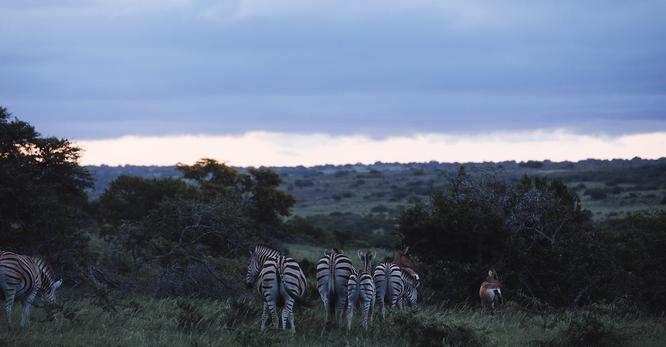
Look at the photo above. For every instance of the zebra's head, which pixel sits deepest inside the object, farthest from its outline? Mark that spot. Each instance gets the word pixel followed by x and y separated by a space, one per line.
pixel 49 294
pixel 49 285
pixel 252 268
pixel 366 259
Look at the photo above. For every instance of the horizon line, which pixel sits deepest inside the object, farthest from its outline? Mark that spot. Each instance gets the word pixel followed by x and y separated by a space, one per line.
pixel 281 149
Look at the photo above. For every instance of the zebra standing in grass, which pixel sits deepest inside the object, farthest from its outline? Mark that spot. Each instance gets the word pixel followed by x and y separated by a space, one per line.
pixel 361 290
pixel 388 284
pixel 410 279
pixel 23 278
pixel 280 282
pixel 333 271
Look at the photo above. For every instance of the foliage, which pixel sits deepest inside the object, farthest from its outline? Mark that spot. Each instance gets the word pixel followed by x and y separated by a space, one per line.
pixel 146 321
pixel 42 193
pixel 130 198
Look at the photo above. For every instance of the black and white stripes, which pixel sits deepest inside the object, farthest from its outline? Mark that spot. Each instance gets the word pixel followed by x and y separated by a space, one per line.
pixel 280 282
pixel 23 278
pixel 333 271
pixel 388 284
pixel 361 290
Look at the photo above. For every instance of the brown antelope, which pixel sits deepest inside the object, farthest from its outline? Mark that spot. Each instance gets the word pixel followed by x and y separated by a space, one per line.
pixel 490 293
pixel 410 278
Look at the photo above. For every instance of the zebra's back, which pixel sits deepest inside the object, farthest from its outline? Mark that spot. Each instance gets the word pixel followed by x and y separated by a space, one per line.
pixel 20 273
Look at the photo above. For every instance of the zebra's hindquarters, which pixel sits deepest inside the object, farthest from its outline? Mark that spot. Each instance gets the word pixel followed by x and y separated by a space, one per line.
pixel 281 283
pixel 333 272
pixel 388 285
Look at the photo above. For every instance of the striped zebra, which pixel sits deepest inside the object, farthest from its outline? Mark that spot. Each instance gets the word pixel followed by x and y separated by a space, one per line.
pixel 23 278
pixel 333 271
pixel 361 290
pixel 490 293
pixel 280 282
pixel 388 284
pixel 410 293
pixel 410 278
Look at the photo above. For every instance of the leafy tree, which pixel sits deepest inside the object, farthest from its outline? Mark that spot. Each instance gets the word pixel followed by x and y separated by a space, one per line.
pixel 130 198
pixel 42 192
pixel 258 188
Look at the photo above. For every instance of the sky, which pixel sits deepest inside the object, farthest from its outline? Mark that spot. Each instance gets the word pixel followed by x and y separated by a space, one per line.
pixel 265 82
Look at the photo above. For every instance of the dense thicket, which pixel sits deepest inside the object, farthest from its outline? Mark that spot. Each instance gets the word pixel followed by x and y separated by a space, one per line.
pixel 538 237
pixel 42 193
pixel 173 236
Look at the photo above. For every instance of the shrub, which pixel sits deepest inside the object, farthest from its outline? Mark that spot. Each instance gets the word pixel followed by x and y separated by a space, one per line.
pixel 423 330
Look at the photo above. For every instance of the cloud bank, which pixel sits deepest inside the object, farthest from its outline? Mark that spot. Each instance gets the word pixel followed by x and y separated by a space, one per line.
pixel 108 68
pixel 259 148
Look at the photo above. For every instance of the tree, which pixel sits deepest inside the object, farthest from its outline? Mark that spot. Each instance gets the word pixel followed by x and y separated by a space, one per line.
pixel 130 198
pixel 42 192
pixel 258 188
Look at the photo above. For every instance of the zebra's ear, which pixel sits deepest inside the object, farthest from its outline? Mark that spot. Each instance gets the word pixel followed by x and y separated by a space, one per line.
pixel 406 250
pixel 360 254
pixel 370 255
pixel 490 273
pixel 57 284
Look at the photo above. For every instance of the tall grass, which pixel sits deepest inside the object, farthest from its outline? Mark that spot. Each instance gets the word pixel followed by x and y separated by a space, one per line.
pixel 175 322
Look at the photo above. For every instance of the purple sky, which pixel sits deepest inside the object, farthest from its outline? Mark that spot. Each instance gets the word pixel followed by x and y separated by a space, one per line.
pixel 104 69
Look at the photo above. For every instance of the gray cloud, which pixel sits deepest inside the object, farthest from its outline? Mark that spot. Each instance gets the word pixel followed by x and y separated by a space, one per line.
pixel 89 69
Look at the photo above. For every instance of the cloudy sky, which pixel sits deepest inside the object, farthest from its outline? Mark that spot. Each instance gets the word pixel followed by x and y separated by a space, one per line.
pixel 315 81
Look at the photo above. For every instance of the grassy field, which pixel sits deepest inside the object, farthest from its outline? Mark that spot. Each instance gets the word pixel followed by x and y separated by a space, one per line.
pixel 171 322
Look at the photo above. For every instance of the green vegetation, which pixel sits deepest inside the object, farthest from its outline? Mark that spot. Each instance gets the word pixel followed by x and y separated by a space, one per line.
pixel 158 259
pixel 176 322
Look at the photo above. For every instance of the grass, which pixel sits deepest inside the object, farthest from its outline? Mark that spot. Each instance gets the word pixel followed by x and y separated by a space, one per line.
pixel 172 322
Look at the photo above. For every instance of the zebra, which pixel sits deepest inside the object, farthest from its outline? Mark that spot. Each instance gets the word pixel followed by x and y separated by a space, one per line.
pixel 490 293
pixel 411 282
pixel 23 278
pixel 333 271
pixel 409 277
pixel 280 282
pixel 389 285
pixel 361 290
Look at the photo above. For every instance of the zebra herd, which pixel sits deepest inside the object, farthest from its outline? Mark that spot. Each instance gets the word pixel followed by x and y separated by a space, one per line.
pixel 280 281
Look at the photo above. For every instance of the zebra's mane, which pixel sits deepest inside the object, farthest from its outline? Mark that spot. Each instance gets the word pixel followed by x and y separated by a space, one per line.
pixel 261 246
pixel 45 269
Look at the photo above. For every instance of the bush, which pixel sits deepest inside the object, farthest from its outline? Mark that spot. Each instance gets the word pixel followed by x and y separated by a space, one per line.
pixel 423 330
pixel 588 330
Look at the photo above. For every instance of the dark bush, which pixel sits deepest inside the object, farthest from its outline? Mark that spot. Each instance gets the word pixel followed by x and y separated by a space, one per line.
pixel 428 331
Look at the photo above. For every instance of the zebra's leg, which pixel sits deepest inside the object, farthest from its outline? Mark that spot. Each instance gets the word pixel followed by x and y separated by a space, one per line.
pixel 350 315
pixel 372 308
pixel 10 295
pixel 365 310
pixel 383 307
pixel 25 318
pixel 264 316
pixel 287 312
pixel 293 323
pixel 274 315
pixel 340 311
pixel 324 299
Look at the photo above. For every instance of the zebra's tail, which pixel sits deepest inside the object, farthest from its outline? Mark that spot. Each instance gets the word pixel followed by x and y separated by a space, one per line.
pixel 388 298
pixel 332 298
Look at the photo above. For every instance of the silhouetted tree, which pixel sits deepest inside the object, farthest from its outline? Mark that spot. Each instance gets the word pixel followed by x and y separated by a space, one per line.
pixel 42 192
